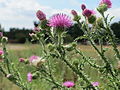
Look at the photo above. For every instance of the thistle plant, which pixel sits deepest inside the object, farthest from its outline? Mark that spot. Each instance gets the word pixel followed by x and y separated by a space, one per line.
pixel 56 51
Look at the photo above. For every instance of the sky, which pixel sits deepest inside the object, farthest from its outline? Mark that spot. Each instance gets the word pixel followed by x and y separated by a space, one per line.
pixel 22 13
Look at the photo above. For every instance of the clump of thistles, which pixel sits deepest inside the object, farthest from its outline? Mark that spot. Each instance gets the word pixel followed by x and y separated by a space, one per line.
pixel 36 61
pixel 60 20
pixel 68 84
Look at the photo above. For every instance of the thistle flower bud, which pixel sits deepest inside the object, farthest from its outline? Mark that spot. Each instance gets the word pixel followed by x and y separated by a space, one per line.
pixel 76 17
pixel 74 13
pixel 21 59
pixel 88 12
pixel 36 29
pixel 1 34
pixel 95 84
pixel 99 22
pixel 92 19
pixel 40 15
pixel 4 40
pixel 83 7
pixel 29 77
pixel 102 8
pixel 1 52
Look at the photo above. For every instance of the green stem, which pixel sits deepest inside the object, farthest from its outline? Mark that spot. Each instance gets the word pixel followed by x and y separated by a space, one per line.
pixel 6 59
pixel 112 37
pixel 81 75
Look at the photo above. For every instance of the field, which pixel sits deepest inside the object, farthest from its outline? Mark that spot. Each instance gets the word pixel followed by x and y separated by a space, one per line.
pixel 16 51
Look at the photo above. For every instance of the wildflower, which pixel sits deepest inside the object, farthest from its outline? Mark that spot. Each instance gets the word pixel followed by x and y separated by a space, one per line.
pixel 60 20
pixel 88 12
pixel 74 13
pixel 68 84
pixel 1 52
pixel 36 29
pixel 40 15
pixel 21 59
pixel 36 60
pixel 107 2
pixel 95 84
pixel 29 77
pixel 1 34
pixel 83 7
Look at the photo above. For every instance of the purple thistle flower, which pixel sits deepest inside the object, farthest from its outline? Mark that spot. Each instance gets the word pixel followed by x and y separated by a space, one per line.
pixel 74 13
pixel 36 29
pixel 33 58
pixel 40 15
pixel 107 2
pixel 95 84
pixel 83 7
pixel 60 20
pixel 21 59
pixel 1 52
pixel 29 77
pixel 68 84
pixel 88 12
pixel 1 34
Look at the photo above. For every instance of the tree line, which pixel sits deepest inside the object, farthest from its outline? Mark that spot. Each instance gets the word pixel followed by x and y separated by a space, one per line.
pixel 17 35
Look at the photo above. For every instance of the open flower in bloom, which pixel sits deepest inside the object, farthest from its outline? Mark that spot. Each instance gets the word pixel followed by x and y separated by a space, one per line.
pixel 29 77
pixel 68 84
pixel 88 12
pixel 36 60
pixel 60 20
pixel 95 84
pixel 40 15
pixel 1 52
pixel 107 2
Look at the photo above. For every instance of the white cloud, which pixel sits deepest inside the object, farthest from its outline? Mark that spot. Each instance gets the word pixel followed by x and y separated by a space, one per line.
pixel 115 12
pixel 22 13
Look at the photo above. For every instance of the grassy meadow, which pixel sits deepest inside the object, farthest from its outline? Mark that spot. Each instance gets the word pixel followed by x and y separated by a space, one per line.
pixel 19 50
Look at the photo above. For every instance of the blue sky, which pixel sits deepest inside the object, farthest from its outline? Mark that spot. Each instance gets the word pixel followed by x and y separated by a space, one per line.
pixel 21 13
